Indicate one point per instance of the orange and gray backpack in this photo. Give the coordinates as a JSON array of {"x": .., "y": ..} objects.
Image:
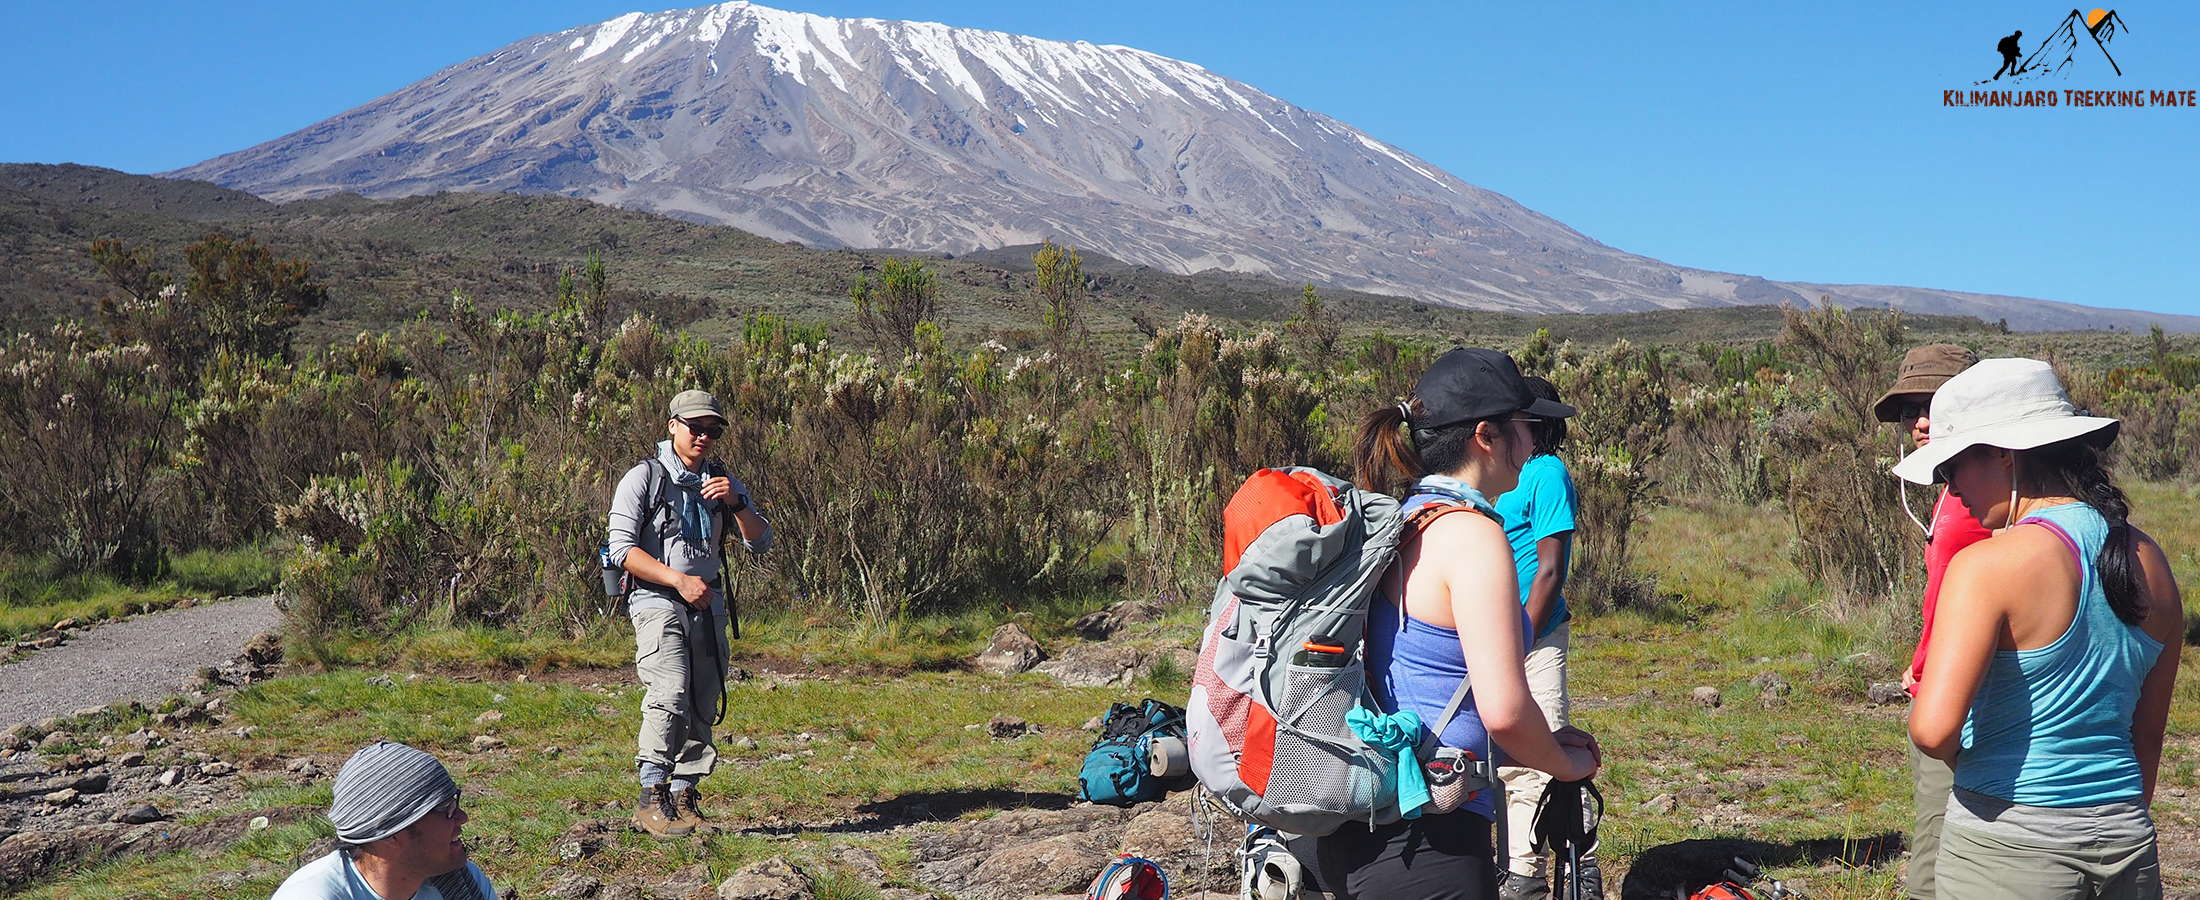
[{"x": 1282, "y": 657}]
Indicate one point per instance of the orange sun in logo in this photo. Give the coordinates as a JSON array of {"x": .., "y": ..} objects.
[{"x": 2093, "y": 19}]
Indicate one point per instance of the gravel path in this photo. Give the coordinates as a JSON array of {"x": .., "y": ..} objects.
[{"x": 144, "y": 658}]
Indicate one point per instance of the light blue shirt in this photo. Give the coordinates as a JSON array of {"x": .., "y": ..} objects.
[
  {"x": 333, "y": 877},
  {"x": 2051, "y": 726},
  {"x": 1541, "y": 506}
]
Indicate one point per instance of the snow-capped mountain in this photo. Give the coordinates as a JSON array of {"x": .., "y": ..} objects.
[{"x": 918, "y": 136}]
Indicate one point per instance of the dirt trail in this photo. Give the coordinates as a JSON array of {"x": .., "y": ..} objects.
[{"x": 143, "y": 658}]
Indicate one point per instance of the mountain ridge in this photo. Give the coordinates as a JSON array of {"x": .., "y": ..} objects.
[{"x": 928, "y": 138}]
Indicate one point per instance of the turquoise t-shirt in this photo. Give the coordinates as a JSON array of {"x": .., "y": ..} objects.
[{"x": 1541, "y": 506}]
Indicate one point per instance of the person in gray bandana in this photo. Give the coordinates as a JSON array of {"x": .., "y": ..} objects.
[
  {"x": 670, "y": 517},
  {"x": 397, "y": 819}
]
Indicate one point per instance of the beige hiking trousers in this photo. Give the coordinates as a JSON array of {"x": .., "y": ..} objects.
[
  {"x": 1524, "y": 786},
  {"x": 676, "y": 660}
]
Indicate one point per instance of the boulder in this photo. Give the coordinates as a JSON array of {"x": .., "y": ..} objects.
[
  {"x": 1705, "y": 696},
  {"x": 1886, "y": 693},
  {"x": 690, "y": 883},
  {"x": 1056, "y": 865},
  {"x": 1094, "y": 665},
  {"x": 1164, "y": 833},
  {"x": 1011, "y": 652},
  {"x": 771, "y": 879},
  {"x": 1103, "y": 624},
  {"x": 139, "y": 815},
  {"x": 572, "y": 886}
]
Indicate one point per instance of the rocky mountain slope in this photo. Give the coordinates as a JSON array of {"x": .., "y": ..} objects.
[{"x": 919, "y": 136}]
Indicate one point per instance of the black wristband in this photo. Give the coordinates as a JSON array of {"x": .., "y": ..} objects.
[{"x": 737, "y": 507}]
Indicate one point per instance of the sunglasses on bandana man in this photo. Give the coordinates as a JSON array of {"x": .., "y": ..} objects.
[{"x": 705, "y": 428}]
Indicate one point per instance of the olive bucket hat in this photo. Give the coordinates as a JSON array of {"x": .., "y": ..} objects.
[{"x": 1924, "y": 370}]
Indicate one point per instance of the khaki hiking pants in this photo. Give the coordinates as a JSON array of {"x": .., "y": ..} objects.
[
  {"x": 1930, "y": 781},
  {"x": 1524, "y": 786},
  {"x": 677, "y": 661},
  {"x": 1974, "y": 866}
]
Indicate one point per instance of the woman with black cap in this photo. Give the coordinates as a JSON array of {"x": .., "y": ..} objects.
[
  {"x": 1450, "y": 606},
  {"x": 2054, "y": 651}
]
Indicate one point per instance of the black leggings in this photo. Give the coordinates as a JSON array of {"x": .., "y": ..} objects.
[{"x": 1446, "y": 857}]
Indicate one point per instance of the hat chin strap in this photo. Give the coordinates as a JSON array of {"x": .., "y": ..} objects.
[
  {"x": 1902, "y": 490},
  {"x": 2009, "y": 520}
]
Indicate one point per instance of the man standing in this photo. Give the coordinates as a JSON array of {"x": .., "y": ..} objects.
[
  {"x": 1539, "y": 521},
  {"x": 397, "y": 821},
  {"x": 1909, "y": 403},
  {"x": 2010, "y": 50},
  {"x": 670, "y": 516}
]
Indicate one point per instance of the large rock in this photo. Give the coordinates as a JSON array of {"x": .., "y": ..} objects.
[
  {"x": 1011, "y": 652},
  {"x": 1103, "y": 624},
  {"x": 1095, "y": 665},
  {"x": 1055, "y": 865},
  {"x": 772, "y": 879},
  {"x": 1164, "y": 833},
  {"x": 690, "y": 883},
  {"x": 1183, "y": 660},
  {"x": 967, "y": 861}
]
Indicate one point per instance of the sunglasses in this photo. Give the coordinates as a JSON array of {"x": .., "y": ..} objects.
[
  {"x": 1912, "y": 410},
  {"x": 449, "y": 808},
  {"x": 1528, "y": 419},
  {"x": 713, "y": 432}
]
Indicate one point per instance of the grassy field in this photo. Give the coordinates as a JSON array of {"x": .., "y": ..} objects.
[{"x": 839, "y": 728}]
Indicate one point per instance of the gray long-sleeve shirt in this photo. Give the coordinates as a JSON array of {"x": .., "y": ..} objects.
[{"x": 657, "y": 533}]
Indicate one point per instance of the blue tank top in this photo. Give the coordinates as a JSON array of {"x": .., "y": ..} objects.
[
  {"x": 1417, "y": 665},
  {"x": 2051, "y": 726}
]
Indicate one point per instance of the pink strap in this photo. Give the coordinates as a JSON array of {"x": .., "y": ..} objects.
[{"x": 2075, "y": 555}]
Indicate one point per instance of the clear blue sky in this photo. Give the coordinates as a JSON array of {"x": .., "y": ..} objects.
[{"x": 1798, "y": 142}]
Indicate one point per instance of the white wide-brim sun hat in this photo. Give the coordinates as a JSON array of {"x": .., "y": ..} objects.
[{"x": 2014, "y": 404}]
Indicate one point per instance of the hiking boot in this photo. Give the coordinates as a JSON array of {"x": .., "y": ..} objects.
[
  {"x": 688, "y": 802},
  {"x": 1513, "y": 886},
  {"x": 658, "y": 815},
  {"x": 1592, "y": 880}
]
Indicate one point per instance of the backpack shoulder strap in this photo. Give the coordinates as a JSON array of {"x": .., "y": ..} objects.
[{"x": 659, "y": 481}]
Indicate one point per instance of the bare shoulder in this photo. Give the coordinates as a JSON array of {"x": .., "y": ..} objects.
[
  {"x": 1463, "y": 528},
  {"x": 2161, "y": 586},
  {"x": 2018, "y": 556}
]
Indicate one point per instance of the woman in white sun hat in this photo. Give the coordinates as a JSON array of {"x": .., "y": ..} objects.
[{"x": 2054, "y": 653}]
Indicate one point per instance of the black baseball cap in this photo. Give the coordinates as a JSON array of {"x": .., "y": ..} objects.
[{"x": 1472, "y": 383}]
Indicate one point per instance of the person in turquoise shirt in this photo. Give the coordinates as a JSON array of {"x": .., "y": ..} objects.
[
  {"x": 2053, "y": 661},
  {"x": 1539, "y": 521}
]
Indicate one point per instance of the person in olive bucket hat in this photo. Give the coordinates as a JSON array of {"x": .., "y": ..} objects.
[{"x": 1909, "y": 404}]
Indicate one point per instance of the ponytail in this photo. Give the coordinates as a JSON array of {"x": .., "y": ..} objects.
[
  {"x": 1389, "y": 459},
  {"x": 1382, "y": 461},
  {"x": 2078, "y": 464}
]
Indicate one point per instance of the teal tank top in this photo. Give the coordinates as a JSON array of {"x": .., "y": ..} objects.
[{"x": 2051, "y": 726}]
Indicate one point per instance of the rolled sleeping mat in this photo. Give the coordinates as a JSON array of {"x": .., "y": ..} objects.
[{"x": 1168, "y": 757}]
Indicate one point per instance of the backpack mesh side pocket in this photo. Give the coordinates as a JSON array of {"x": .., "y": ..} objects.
[{"x": 1318, "y": 764}]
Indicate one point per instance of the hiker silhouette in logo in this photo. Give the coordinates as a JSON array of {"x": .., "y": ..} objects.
[{"x": 2010, "y": 50}]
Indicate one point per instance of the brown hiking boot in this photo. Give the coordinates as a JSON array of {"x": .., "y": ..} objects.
[
  {"x": 658, "y": 815},
  {"x": 690, "y": 806}
]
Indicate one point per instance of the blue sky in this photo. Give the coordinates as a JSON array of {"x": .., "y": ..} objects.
[{"x": 1798, "y": 142}]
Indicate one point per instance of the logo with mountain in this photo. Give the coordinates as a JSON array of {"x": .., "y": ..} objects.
[{"x": 2055, "y": 55}]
